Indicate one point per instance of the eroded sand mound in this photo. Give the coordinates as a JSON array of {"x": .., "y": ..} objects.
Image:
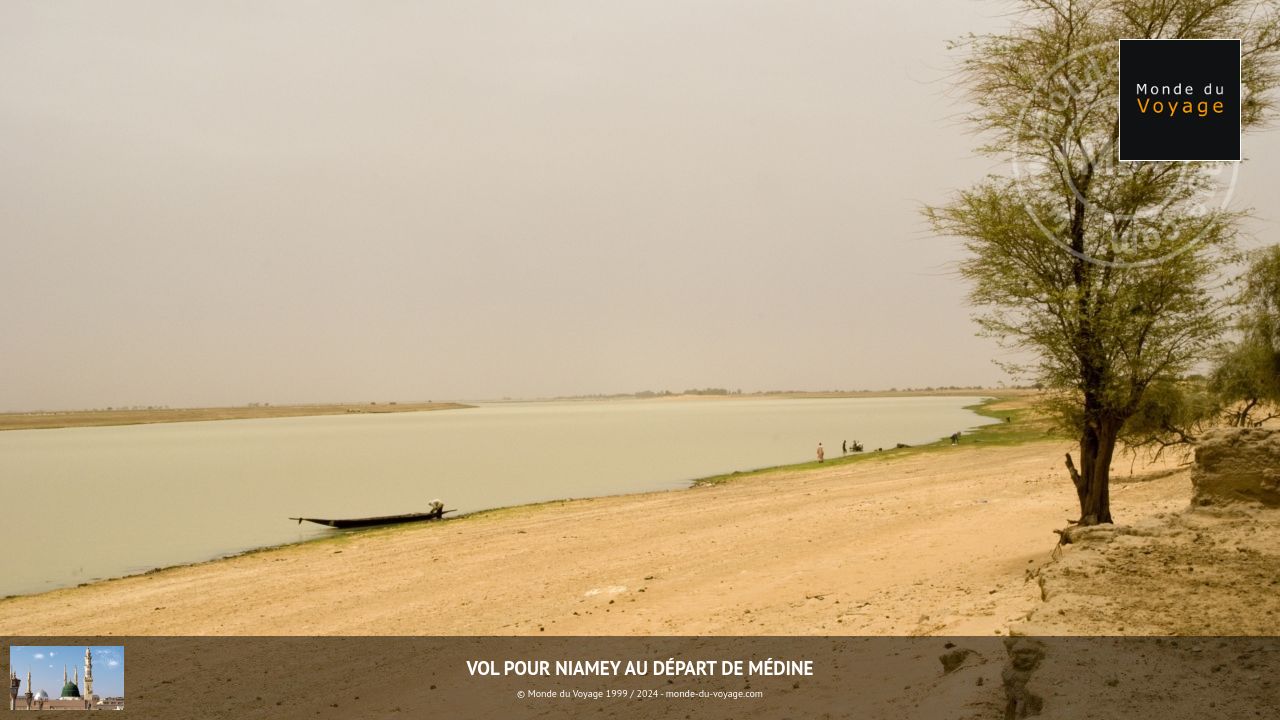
[
  {"x": 1238, "y": 464},
  {"x": 1211, "y": 569},
  {"x": 1204, "y": 571}
]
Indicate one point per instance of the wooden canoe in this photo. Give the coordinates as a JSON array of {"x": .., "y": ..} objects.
[{"x": 372, "y": 521}]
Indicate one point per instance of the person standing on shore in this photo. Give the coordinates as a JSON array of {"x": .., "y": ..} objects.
[{"x": 821, "y": 453}]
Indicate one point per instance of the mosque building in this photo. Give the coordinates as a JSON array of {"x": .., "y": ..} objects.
[{"x": 70, "y": 698}]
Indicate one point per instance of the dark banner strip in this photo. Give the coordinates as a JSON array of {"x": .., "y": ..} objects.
[{"x": 675, "y": 677}]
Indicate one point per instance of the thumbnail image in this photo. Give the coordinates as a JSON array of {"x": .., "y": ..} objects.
[{"x": 60, "y": 677}]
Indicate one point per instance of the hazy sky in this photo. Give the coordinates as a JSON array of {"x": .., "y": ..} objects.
[{"x": 230, "y": 202}]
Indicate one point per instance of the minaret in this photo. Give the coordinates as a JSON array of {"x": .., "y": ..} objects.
[
  {"x": 64, "y": 673},
  {"x": 88, "y": 675},
  {"x": 30, "y": 692},
  {"x": 75, "y": 677}
]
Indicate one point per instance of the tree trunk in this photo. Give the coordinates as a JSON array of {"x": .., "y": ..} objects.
[
  {"x": 1093, "y": 480},
  {"x": 1098, "y": 440}
]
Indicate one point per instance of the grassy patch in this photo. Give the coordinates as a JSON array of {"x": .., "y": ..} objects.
[{"x": 1019, "y": 423}]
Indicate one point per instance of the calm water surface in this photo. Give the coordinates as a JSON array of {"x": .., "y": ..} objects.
[{"x": 86, "y": 503}]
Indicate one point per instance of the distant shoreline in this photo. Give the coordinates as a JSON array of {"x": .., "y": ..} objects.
[
  {"x": 787, "y": 394},
  {"x": 54, "y": 419},
  {"x": 104, "y": 418}
]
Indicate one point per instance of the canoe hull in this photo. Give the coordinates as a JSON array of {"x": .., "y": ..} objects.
[{"x": 345, "y": 524}]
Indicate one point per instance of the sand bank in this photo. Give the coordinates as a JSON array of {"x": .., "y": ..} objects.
[
  {"x": 942, "y": 542},
  {"x": 1201, "y": 571},
  {"x": 100, "y": 418}
]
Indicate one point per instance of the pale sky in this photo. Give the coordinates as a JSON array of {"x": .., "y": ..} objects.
[{"x": 288, "y": 201}]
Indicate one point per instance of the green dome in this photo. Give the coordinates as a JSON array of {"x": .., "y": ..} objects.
[{"x": 70, "y": 690}]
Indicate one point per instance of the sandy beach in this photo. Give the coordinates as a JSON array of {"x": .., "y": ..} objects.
[{"x": 952, "y": 541}]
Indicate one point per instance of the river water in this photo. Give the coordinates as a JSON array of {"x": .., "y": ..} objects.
[{"x": 80, "y": 504}]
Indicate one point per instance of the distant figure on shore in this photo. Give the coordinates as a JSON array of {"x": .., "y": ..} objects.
[
  {"x": 856, "y": 446},
  {"x": 844, "y": 447},
  {"x": 821, "y": 453},
  {"x": 955, "y": 438}
]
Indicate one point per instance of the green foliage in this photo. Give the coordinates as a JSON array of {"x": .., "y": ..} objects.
[
  {"x": 1246, "y": 378},
  {"x": 1170, "y": 413}
]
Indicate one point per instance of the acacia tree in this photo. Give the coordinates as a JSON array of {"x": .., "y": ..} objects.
[
  {"x": 1105, "y": 273},
  {"x": 1247, "y": 376}
]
